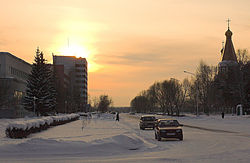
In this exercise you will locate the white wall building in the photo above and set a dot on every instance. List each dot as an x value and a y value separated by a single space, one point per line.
14 73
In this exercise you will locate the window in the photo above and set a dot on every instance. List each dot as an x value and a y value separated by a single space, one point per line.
168 123
80 65
18 73
18 95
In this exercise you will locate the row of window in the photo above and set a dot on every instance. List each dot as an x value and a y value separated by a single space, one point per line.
18 73
81 76
81 70
80 65
77 87
81 81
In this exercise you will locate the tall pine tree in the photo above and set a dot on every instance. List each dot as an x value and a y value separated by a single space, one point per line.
40 93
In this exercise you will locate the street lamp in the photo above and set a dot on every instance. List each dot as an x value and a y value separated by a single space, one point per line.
34 103
189 73
65 107
197 91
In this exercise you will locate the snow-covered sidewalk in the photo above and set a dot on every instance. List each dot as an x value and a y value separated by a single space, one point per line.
234 124
102 139
101 136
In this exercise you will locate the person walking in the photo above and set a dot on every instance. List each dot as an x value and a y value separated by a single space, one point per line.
222 115
117 116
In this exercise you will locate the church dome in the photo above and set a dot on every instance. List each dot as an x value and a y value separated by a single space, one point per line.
228 33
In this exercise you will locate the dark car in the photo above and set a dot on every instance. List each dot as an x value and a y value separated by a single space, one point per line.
168 128
147 121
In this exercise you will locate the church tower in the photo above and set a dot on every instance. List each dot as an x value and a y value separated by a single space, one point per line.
229 73
229 59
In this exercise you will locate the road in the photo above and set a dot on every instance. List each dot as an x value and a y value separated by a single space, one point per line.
106 140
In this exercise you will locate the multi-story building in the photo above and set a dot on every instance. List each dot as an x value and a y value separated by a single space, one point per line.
62 83
13 75
73 73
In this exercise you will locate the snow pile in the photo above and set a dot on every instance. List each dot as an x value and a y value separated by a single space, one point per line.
39 147
20 129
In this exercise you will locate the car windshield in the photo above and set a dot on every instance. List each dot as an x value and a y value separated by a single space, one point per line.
148 118
168 123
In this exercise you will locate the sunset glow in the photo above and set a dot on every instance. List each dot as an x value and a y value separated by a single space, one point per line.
75 50
128 44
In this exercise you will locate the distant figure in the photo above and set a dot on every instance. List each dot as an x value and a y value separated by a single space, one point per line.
117 116
222 115
89 115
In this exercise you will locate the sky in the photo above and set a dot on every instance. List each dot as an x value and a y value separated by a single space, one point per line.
129 44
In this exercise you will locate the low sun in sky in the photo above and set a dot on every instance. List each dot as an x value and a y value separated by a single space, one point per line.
77 38
80 51
75 50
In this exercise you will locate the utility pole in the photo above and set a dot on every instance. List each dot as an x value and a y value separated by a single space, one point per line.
197 92
34 103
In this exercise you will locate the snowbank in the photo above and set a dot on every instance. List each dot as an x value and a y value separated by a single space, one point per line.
117 145
102 139
21 129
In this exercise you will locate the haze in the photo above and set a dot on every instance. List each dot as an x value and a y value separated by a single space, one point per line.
129 44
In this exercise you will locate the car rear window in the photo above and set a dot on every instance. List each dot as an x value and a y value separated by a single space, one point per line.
148 118
168 123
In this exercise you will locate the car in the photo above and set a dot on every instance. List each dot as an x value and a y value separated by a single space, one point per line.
168 128
83 114
147 121
132 113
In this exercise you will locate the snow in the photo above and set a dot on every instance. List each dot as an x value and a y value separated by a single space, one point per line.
102 139
28 123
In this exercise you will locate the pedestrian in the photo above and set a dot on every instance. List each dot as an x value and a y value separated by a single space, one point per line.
222 115
117 116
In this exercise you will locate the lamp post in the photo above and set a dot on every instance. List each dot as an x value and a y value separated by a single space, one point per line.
34 103
197 91
65 107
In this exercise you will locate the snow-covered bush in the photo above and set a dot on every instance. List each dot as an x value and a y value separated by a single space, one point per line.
21 129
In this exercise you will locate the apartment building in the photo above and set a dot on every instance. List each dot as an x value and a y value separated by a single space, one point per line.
73 73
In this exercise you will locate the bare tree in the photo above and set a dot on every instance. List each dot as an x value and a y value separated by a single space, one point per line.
140 104
242 56
95 102
183 90
204 78
104 102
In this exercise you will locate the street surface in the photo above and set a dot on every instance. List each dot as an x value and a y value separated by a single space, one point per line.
102 139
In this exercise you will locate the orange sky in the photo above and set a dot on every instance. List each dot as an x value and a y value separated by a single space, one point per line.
129 44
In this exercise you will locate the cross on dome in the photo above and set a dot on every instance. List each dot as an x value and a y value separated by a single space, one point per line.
228 21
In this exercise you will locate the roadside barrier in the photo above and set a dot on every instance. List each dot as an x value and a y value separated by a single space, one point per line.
21 129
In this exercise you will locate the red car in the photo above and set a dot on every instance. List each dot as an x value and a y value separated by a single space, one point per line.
168 128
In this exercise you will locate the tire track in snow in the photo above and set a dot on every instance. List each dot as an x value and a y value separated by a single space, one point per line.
217 130
207 129
146 135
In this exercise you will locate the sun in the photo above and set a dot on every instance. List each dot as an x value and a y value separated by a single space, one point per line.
75 50
83 52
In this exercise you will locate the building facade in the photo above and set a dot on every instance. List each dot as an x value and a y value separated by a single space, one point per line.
72 74
14 73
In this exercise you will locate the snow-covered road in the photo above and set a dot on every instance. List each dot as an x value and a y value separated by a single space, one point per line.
102 139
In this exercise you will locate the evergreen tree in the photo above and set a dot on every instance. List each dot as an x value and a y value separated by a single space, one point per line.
40 93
